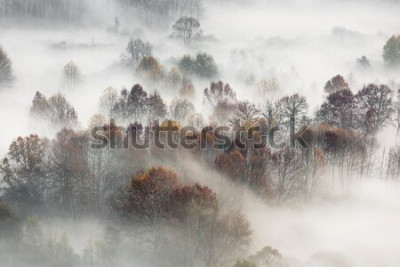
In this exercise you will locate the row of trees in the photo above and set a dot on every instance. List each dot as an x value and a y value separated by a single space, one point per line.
55 10
138 57
160 12
371 109
137 105
183 223
340 136
56 111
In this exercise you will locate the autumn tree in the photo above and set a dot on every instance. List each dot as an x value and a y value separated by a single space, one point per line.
132 105
6 75
340 110
344 149
391 51
25 170
57 111
147 196
193 208
221 98
151 69
73 182
337 83
233 164
376 103
186 220
246 110
107 101
136 50
246 165
186 29
187 89
137 101
71 74
268 88
61 112
156 106
174 77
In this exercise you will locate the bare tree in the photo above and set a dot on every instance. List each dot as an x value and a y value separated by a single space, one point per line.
72 74
25 171
186 28
292 109
107 101
222 100
61 112
56 110
287 174
377 104
246 111
268 87
136 50
131 105
180 109
270 112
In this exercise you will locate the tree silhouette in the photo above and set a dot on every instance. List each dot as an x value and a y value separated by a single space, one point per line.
5 67
391 51
136 50
186 28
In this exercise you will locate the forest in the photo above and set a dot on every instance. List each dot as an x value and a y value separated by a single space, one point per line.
212 133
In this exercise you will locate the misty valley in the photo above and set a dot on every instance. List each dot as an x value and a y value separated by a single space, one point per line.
199 133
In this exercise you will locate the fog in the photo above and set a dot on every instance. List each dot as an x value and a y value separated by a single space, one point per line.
352 227
338 232
301 44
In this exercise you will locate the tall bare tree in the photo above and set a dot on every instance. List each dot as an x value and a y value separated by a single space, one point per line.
136 50
186 28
